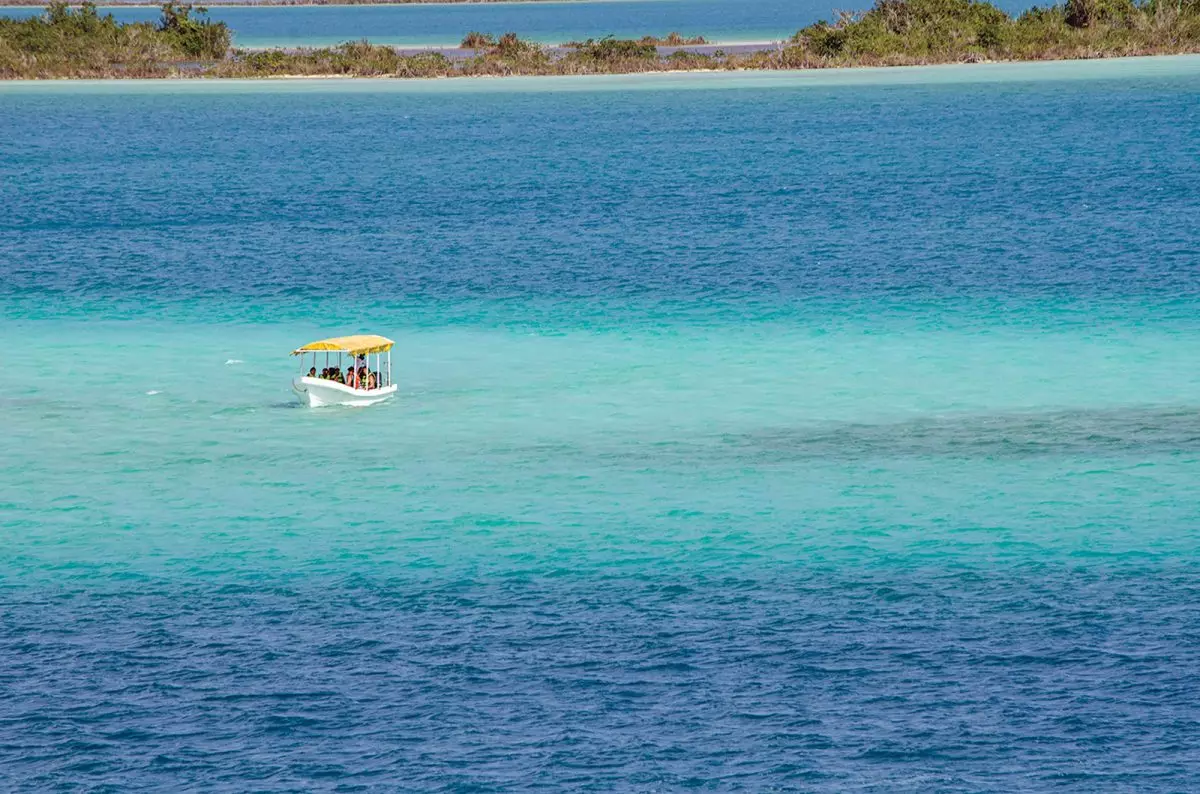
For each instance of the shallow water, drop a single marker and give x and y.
(430, 24)
(779, 432)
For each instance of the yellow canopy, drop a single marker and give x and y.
(354, 345)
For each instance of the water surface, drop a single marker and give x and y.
(818, 431)
(445, 24)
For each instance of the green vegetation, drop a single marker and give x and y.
(941, 31)
(198, 38)
(68, 43)
(477, 41)
(81, 43)
(353, 59)
(508, 55)
(670, 40)
(609, 51)
(674, 40)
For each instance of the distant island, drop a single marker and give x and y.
(70, 42)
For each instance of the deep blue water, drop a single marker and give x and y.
(822, 432)
(548, 22)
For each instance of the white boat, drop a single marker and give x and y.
(361, 384)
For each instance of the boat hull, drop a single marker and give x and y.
(316, 392)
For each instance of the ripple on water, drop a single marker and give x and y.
(809, 678)
(824, 432)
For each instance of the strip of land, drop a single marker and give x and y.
(82, 43)
(288, 2)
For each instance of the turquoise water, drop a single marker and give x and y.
(429, 24)
(814, 431)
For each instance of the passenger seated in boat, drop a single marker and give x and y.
(312, 372)
(372, 381)
(351, 380)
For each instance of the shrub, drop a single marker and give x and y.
(363, 58)
(477, 41)
(1088, 13)
(509, 46)
(609, 49)
(266, 62)
(66, 42)
(685, 59)
(989, 37)
(825, 40)
(424, 64)
(672, 39)
(509, 54)
(199, 38)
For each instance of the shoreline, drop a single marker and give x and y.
(1057, 69)
(452, 50)
(782, 73)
